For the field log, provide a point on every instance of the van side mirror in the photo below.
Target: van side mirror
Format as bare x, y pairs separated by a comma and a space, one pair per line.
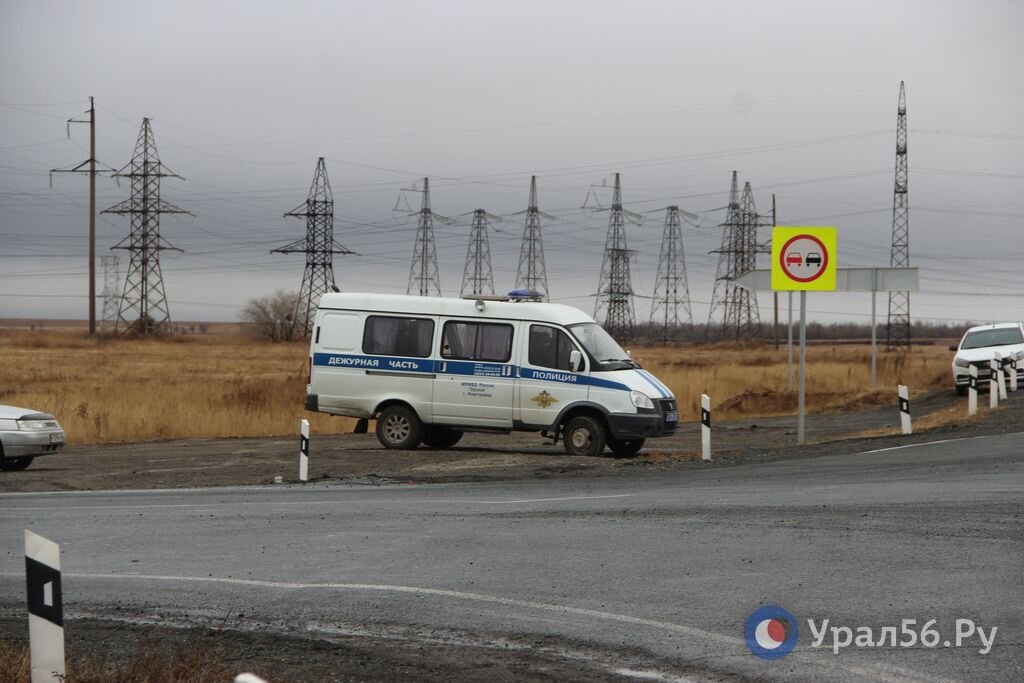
575, 360
952, 347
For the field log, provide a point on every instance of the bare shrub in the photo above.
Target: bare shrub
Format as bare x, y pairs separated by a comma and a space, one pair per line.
273, 317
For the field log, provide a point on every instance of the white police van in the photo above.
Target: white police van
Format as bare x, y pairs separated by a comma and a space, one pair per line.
429, 369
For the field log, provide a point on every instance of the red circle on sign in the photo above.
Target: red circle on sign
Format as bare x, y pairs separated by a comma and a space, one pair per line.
824, 258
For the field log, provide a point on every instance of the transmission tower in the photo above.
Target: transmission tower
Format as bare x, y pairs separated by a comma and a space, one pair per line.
143, 307
671, 291
614, 289
478, 278
532, 274
111, 292
898, 330
423, 274
735, 306
318, 245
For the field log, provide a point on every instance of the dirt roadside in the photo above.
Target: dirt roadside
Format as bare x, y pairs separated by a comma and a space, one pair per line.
359, 458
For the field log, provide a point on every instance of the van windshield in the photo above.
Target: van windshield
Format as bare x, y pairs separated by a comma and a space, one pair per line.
602, 348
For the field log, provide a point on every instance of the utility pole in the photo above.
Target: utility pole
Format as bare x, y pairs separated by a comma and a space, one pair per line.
318, 245
478, 277
898, 329
671, 290
89, 167
143, 308
423, 273
615, 289
532, 273
111, 293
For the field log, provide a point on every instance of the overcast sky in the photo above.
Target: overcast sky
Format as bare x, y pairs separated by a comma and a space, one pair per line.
799, 97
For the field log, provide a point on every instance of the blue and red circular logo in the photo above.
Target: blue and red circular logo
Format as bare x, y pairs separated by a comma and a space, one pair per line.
771, 632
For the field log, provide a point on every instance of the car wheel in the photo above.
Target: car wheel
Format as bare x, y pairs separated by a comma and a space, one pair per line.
399, 428
961, 391
440, 437
583, 435
15, 464
625, 447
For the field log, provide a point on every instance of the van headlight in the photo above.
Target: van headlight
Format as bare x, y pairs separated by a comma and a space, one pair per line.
1019, 355
641, 400
961, 362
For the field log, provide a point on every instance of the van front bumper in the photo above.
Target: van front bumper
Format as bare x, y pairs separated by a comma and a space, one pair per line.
643, 426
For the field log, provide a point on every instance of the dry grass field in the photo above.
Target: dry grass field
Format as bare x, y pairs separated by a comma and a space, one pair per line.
229, 385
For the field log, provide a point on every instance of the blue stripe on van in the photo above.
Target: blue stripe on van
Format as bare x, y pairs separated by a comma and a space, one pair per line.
389, 363
665, 391
564, 377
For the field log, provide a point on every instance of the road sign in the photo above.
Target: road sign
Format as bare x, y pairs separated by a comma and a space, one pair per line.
804, 259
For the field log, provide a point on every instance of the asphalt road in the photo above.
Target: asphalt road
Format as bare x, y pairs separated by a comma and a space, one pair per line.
653, 574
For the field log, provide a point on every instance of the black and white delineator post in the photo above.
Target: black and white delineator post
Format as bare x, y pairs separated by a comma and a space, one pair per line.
705, 427
904, 409
304, 450
45, 609
1001, 364
1011, 368
993, 383
972, 390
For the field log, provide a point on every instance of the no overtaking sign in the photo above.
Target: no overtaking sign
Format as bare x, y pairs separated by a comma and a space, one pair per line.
804, 259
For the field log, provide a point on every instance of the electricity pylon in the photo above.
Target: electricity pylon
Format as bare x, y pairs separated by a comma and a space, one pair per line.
111, 293
423, 274
898, 329
615, 289
318, 245
143, 307
532, 274
478, 277
670, 309
736, 306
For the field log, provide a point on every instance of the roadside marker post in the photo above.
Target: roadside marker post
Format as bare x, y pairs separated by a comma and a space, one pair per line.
1010, 364
993, 388
45, 608
1001, 365
904, 409
705, 426
304, 450
972, 390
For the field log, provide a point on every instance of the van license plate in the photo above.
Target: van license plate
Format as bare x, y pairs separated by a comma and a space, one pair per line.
672, 416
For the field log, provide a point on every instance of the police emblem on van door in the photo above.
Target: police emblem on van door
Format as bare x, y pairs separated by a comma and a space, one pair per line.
544, 399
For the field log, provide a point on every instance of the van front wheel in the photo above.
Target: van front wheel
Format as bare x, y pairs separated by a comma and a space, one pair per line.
583, 435
625, 447
399, 428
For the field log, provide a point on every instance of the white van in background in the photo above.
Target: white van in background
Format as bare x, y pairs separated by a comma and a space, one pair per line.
429, 369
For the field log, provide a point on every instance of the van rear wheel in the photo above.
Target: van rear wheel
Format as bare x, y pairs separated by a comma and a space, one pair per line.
583, 435
398, 427
440, 437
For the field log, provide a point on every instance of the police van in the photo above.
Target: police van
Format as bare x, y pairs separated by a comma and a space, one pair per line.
429, 369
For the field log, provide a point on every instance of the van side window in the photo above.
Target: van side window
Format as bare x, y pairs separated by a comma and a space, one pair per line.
398, 336
549, 347
477, 341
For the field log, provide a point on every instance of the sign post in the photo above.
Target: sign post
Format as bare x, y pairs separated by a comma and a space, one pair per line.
803, 259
